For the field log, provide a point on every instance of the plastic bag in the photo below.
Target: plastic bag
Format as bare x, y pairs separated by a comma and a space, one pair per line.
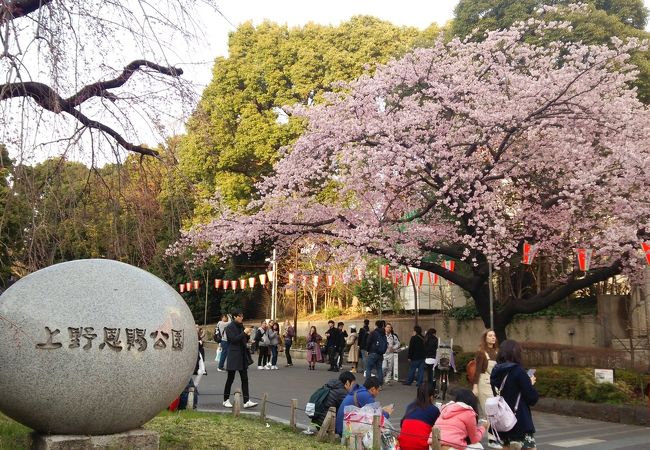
218, 355
201, 366
388, 440
359, 420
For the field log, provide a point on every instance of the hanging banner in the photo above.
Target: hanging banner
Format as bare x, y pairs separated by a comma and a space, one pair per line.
450, 265
315, 281
197, 284
226, 283
330, 280
584, 258
646, 248
530, 250
420, 279
270, 275
217, 284
181, 287
188, 286
433, 278
263, 279
251, 282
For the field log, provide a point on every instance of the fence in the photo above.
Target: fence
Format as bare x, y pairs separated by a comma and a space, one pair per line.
326, 433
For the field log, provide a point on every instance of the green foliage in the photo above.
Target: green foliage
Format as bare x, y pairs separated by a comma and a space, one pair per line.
13, 435
580, 384
606, 18
373, 292
235, 134
463, 313
332, 312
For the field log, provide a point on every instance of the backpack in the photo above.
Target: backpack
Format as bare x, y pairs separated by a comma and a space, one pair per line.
471, 371
316, 403
217, 335
498, 412
379, 343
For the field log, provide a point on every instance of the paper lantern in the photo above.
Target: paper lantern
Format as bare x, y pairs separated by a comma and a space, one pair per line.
242, 284
530, 250
181, 287
197, 284
315, 281
584, 258
646, 249
263, 279
330, 280
188, 286
217, 284
251, 282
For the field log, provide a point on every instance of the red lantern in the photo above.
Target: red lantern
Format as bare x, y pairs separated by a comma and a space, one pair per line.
584, 258
530, 250
358, 273
242, 284
407, 278
233, 284
433, 278
330, 280
217, 284
226, 283
420, 279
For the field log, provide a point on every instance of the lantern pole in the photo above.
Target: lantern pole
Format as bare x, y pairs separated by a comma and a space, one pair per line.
205, 309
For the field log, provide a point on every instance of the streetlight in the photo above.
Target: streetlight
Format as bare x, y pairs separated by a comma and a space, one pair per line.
274, 288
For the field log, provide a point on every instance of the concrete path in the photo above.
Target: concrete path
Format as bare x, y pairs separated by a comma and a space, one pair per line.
554, 432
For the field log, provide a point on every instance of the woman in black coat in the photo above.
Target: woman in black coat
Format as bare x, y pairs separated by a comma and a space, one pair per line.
518, 385
238, 358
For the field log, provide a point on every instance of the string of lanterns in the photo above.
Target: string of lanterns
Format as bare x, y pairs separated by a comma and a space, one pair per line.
397, 278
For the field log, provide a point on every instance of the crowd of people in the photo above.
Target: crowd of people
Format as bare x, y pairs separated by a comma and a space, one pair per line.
462, 422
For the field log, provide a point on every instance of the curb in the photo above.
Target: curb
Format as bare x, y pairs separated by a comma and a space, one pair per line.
625, 414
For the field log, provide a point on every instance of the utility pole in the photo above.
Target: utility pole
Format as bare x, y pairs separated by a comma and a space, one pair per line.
205, 309
295, 296
274, 288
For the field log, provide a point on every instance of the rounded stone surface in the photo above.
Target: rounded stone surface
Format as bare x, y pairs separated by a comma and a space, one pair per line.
93, 347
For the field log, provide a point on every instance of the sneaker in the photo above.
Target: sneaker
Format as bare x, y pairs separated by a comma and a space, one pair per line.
250, 404
227, 404
289, 365
220, 370
267, 367
260, 367
494, 444
274, 368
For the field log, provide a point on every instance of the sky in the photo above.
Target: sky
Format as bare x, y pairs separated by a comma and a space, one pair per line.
417, 13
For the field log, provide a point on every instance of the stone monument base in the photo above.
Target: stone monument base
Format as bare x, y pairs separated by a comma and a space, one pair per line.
130, 440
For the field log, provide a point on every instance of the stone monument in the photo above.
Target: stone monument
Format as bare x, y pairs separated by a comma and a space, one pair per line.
93, 347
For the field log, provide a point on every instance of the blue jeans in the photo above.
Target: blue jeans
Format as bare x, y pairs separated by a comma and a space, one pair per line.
374, 361
418, 365
224, 354
274, 355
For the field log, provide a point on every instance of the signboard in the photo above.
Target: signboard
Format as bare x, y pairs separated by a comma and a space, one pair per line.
604, 375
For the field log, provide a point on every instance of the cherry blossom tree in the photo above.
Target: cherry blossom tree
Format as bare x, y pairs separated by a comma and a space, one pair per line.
466, 150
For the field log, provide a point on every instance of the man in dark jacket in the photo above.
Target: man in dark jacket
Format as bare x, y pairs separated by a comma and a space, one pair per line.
416, 356
339, 388
238, 358
377, 346
343, 335
332, 345
363, 341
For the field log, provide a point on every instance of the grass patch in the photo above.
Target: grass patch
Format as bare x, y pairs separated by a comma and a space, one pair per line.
196, 430
13, 436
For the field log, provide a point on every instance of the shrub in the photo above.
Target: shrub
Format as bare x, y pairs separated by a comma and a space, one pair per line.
300, 341
580, 384
330, 313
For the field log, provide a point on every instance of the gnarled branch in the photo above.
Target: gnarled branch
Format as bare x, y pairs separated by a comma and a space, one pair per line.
49, 99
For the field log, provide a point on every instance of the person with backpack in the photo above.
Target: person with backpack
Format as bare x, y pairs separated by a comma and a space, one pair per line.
458, 422
363, 341
517, 389
332, 345
430, 352
418, 419
221, 338
262, 340
388, 366
416, 353
377, 346
361, 396
485, 360
330, 394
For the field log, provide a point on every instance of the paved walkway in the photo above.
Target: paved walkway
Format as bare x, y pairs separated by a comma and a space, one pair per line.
554, 432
